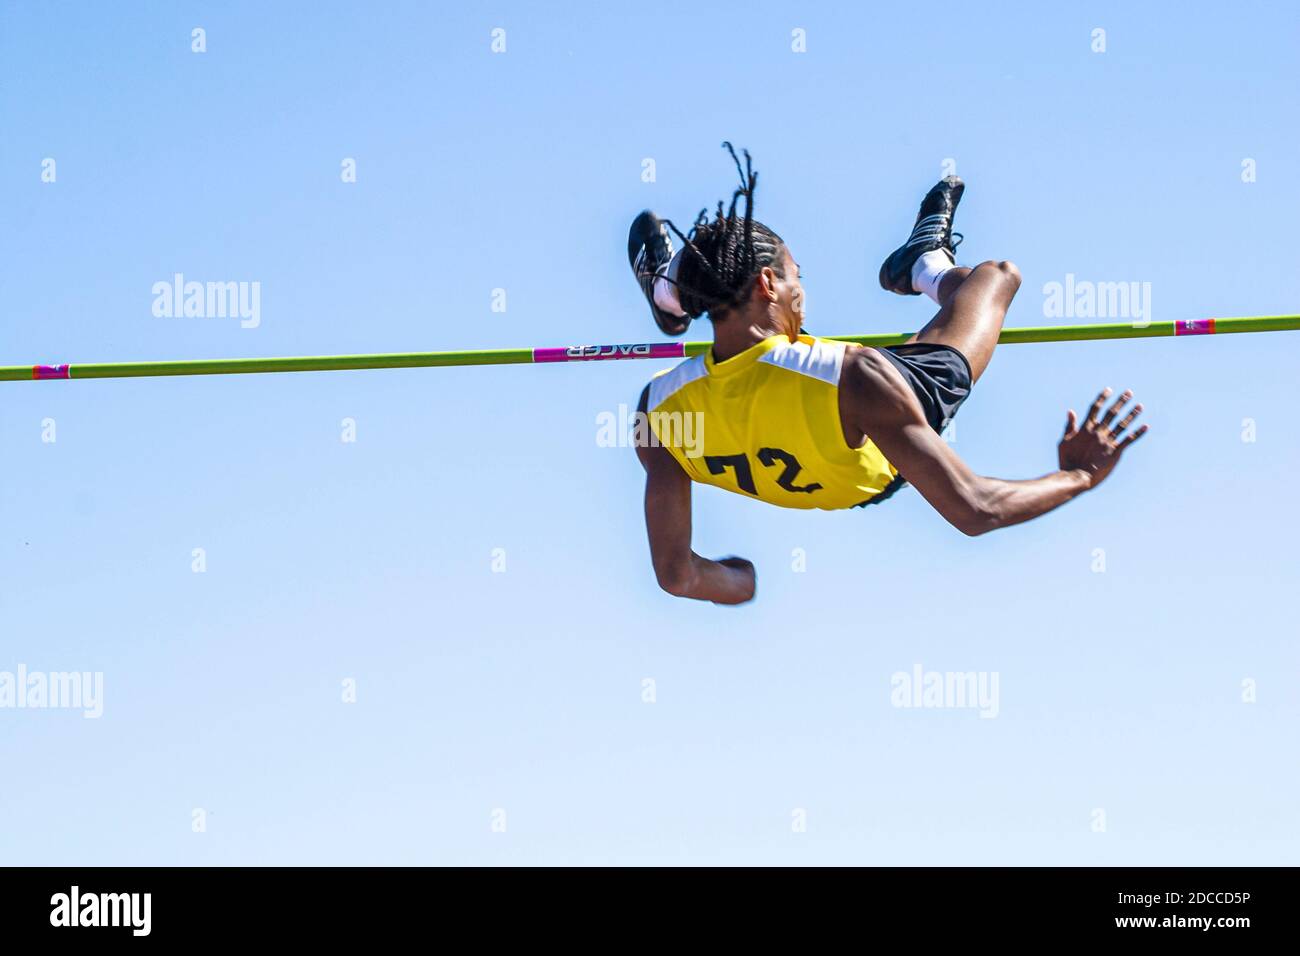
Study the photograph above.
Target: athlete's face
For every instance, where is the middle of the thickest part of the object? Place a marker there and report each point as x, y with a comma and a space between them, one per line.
790, 294
778, 297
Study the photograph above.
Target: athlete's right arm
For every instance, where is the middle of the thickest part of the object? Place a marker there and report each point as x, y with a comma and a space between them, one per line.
876, 401
680, 570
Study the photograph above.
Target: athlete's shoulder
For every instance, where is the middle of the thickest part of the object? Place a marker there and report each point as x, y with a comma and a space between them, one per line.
872, 385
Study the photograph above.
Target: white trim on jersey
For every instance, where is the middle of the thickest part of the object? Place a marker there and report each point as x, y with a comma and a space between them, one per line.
821, 360
662, 387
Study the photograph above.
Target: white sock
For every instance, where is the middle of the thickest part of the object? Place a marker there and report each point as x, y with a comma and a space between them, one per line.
666, 296
929, 270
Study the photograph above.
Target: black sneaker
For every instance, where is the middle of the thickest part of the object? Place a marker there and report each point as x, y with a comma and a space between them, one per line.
933, 230
649, 247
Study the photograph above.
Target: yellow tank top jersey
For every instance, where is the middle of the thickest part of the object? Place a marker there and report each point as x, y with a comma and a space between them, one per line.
766, 424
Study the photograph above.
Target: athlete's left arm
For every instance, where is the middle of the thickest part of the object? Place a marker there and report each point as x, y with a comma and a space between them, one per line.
680, 570
879, 403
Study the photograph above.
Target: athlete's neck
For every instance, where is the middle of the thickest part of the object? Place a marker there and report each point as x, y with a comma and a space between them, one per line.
745, 329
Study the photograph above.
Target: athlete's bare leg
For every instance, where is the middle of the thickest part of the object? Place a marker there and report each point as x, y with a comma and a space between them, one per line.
973, 303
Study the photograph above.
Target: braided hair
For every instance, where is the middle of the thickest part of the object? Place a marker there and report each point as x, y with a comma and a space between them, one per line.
721, 258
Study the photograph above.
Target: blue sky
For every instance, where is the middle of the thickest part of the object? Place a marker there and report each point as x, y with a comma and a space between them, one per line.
1121, 734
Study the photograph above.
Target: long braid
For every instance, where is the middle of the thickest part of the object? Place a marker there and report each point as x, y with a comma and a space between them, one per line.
722, 256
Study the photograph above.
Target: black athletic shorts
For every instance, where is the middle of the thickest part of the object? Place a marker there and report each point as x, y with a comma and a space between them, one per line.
941, 379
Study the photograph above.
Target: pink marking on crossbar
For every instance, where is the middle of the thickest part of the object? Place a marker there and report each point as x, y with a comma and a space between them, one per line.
1194, 327
600, 353
42, 372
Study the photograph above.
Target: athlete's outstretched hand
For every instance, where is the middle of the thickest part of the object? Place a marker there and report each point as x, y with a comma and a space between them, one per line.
1095, 447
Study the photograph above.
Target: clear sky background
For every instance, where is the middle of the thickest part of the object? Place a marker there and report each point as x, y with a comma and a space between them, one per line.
1120, 691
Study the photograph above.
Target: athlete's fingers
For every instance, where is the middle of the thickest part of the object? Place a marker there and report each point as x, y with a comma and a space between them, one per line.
1096, 407
1071, 423
1130, 439
1114, 409
1125, 422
